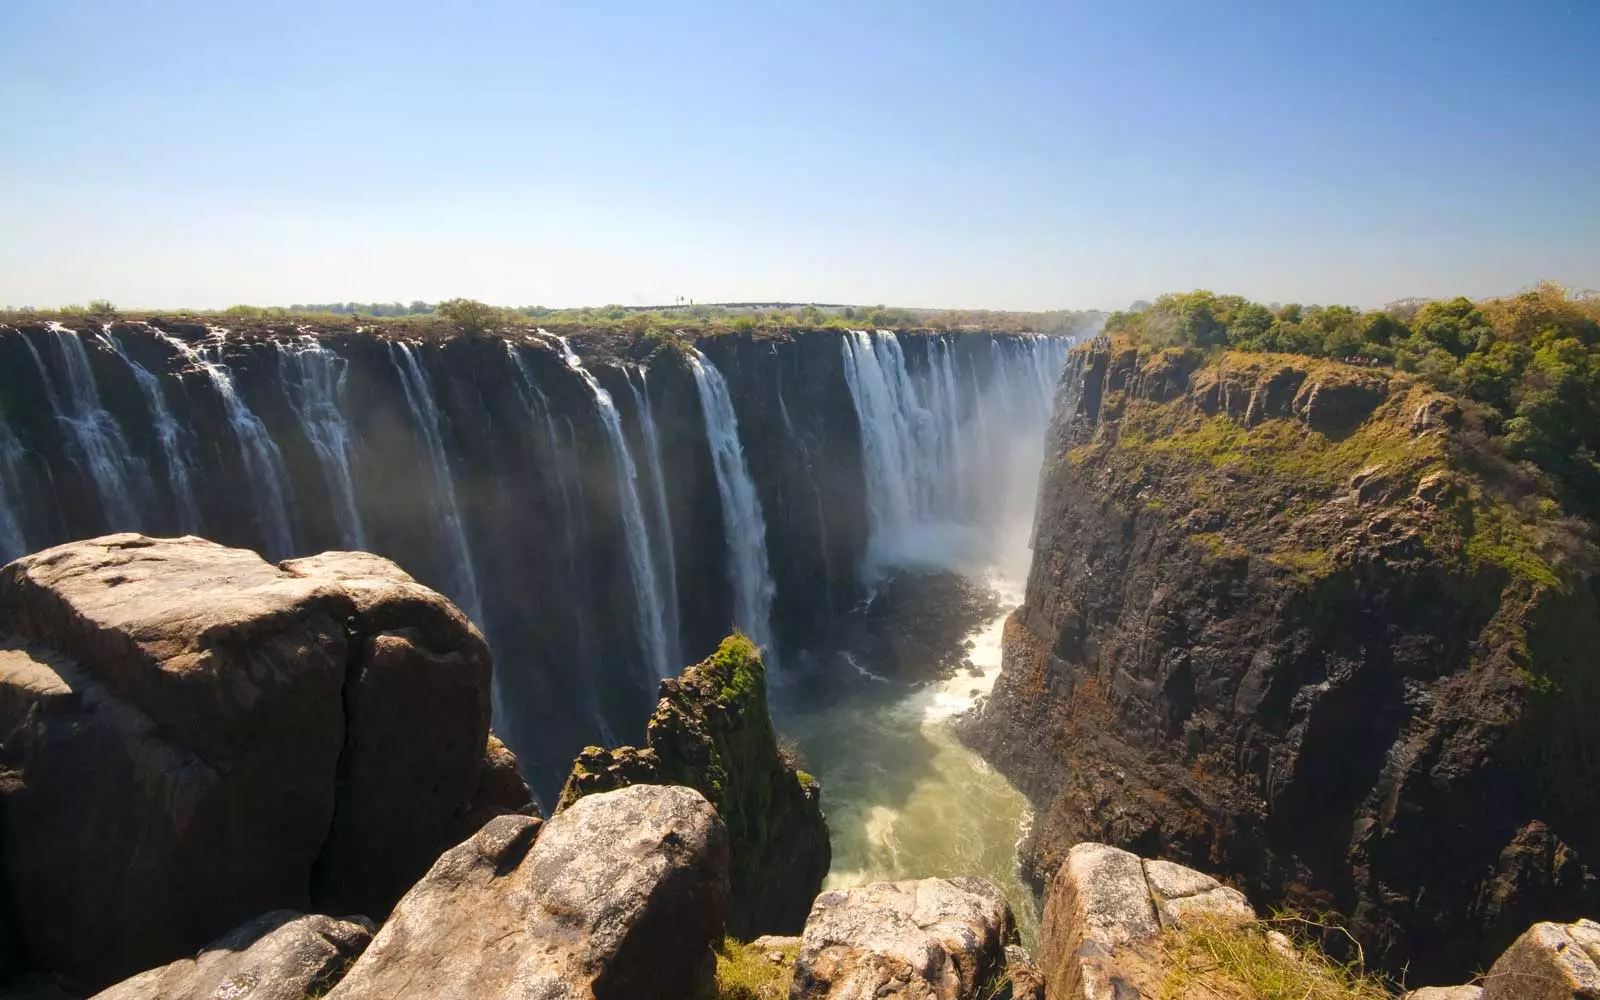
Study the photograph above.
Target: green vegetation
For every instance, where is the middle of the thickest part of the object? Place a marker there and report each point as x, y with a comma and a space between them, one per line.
1530, 361
747, 972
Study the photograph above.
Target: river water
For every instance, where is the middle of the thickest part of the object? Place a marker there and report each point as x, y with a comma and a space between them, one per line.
905, 799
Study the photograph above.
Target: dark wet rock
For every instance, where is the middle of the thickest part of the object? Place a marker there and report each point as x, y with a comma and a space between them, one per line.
621, 895
1283, 626
711, 731
278, 956
917, 625
187, 732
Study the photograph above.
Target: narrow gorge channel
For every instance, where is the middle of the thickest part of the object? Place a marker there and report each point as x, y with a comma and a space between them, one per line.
605, 508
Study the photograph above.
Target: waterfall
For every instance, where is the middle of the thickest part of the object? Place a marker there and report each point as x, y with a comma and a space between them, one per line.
314, 379
742, 521
950, 476
168, 435
13, 542
667, 572
263, 462
463, 585
575, 523
648, 610
98, 438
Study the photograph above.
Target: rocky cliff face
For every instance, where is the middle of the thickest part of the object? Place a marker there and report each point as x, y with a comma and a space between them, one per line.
1285, 621
711, 732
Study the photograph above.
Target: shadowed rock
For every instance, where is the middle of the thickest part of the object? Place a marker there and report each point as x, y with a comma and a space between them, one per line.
186, 731
278, 956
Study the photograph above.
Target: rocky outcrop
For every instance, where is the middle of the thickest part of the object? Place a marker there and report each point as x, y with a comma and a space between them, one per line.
711, 731
278, 956
1103, 899
622, 895
191, 736
934, 939
1287, 619
1548, 962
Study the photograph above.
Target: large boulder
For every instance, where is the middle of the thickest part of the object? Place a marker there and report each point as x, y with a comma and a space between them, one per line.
277, 956
1104, 899
622, 895
711, 731
934, 939
1548, 962
187, 732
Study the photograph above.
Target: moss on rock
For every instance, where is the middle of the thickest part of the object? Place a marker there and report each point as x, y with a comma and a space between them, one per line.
712, 732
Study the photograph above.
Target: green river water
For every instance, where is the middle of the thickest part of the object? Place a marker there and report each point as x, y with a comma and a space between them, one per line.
905, 799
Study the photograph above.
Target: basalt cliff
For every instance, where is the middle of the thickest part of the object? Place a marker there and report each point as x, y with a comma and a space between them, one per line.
1293, 621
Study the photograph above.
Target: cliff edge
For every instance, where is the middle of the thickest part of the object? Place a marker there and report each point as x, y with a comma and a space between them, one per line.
1294, 621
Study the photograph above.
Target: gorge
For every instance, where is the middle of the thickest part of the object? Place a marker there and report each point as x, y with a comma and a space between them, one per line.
605, 507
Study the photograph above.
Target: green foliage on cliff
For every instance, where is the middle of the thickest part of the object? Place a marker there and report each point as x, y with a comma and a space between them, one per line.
712, 732
1531, 361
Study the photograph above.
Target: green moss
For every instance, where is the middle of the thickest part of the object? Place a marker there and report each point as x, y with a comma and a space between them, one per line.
746, 972
1217, 546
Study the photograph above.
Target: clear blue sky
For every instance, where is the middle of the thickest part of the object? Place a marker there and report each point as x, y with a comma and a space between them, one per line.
1023, 155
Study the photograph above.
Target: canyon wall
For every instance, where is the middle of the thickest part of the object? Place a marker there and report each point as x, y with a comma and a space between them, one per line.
1293, 621
605, 508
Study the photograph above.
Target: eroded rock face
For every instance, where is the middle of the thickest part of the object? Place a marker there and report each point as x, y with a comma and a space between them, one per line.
1278, 625
1104, 898
711, 731
622, 895
1548, 962
934, 939
278, 956
186, 731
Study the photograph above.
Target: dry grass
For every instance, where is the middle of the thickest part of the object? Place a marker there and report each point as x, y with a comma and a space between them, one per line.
1226, 962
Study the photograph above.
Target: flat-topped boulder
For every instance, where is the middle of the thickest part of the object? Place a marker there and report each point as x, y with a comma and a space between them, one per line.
1549, 961
933, 939
622, 895
188, 733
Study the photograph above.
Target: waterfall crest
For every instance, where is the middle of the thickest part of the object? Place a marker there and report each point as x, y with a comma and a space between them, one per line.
169, 437
742, 520
648, 610
950, 473
314, 381
463, 587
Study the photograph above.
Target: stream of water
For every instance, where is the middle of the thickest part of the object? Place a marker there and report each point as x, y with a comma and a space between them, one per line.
905, 799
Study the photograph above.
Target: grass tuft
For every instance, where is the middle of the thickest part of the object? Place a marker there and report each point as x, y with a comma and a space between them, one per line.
747, 972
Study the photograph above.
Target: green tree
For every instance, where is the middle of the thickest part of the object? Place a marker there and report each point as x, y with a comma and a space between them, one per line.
469, 315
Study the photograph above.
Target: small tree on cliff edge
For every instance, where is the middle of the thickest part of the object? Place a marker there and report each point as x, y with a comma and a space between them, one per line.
470, 316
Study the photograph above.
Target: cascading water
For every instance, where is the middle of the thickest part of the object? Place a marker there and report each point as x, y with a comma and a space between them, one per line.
117, 476
742, 521
648, 610
263, 463
667, 571
314, 381
169, 436
463, 585
576, 521
13, 542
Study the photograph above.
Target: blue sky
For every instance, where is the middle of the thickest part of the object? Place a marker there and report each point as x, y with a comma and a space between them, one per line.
1006, 155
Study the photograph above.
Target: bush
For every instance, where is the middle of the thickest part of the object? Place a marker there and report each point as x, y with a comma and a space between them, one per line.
469, 315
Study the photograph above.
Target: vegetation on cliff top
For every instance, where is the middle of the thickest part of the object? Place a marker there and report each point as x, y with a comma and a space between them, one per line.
1530, 361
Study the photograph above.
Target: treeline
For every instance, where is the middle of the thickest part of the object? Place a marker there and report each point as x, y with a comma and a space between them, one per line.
1531, 360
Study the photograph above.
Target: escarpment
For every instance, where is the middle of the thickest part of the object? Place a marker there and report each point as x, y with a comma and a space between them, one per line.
1286, 621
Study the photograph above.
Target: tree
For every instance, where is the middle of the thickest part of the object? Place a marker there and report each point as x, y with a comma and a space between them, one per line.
469, 315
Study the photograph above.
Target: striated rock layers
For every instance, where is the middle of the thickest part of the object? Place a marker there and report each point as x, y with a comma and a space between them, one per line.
191, 737
711, 731
1292, 621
